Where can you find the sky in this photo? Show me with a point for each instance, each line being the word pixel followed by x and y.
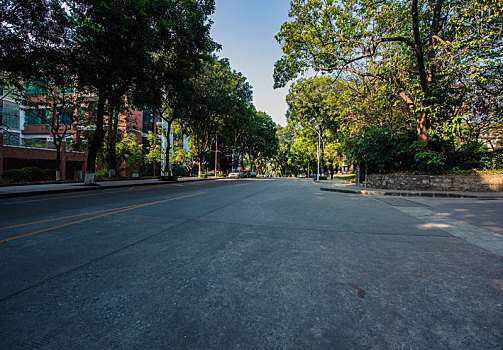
pixel 246 30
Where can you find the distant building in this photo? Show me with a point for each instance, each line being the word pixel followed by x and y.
pixel 26 138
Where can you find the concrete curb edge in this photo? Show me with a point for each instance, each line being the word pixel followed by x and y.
pixel 412 193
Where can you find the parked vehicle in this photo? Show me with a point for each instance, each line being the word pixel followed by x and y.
pixel 249 173
pixel 235 175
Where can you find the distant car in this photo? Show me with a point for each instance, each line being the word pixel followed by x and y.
pixel 302 176
pixel 235 175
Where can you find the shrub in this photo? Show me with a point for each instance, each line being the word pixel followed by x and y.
pixel 101 174
pixel 168 178
pixel 323 177
pixel 382 151
pixel 221 175
pixel 204 176
pixel 50 174
pixel 179 170
pixel 29 174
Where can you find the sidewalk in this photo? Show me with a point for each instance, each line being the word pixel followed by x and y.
pixel 54 188
pixel 343 186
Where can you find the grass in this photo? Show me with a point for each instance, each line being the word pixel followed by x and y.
pixel 345 176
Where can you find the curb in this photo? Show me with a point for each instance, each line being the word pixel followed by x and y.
pixel 83 188
pixel 412 194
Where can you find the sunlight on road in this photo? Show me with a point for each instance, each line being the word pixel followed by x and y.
pixel 431 225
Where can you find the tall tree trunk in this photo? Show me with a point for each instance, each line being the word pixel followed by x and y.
pixel 96 143
pixel 112 144
pixel 167 132
pixel 57 144
pixel 422 118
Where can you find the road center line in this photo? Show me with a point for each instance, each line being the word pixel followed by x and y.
pixel 116 210
pixel 65 217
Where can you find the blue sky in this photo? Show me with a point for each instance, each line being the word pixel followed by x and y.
pixel 246 30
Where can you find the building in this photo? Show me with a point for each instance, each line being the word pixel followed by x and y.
pixel 26 137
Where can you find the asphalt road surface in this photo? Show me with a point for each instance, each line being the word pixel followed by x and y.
pixel 249 264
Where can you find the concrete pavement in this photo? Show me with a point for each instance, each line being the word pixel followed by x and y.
pixel 247 264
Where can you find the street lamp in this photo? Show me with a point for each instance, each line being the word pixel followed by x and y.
pixel 216 154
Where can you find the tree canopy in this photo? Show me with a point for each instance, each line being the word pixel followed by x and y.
pixel 433 67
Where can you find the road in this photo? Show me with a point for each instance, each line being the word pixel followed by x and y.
pixel 252 264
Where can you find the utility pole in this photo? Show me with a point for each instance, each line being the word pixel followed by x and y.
pixel 319 150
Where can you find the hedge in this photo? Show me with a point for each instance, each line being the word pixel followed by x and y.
pixel 29 174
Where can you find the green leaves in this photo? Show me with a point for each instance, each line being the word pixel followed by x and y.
pixel 434 66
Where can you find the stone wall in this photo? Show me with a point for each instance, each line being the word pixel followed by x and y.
pixel 459 183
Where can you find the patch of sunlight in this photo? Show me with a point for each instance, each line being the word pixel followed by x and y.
pixel 431 225
pixel 460 209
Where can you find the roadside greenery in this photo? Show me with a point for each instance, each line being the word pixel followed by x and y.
pixel 117 56
pixel 399 85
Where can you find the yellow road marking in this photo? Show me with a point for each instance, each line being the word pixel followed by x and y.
pixel 116 210
pixel 64 217
pixel 64 197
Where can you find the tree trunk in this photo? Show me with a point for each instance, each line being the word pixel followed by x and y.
pixel 422 119
pixel 167 167
pixel 96 143
pixel 200 163
pixel 112 146
pixel 57 144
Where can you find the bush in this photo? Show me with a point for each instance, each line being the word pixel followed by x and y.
pixel 168 178
pixel 179 170
pixel 101 174
pixel 50 174
pixel 221 175
pixel 204 176
pixel 323 177
pixel 29 174
pixel 493 160
pixel 382 151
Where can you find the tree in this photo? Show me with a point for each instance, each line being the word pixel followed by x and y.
pixel 129 152
pixel 218 94
pixel 57 106
pixel 180 37
pixel 311 104
pixel 33 34
pixel 286 139
pixel 420 49
pixel 112 54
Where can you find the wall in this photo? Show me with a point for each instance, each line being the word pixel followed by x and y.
pixel 16 157
pixel 460 183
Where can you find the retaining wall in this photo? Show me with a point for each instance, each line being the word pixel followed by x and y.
pixel 460 183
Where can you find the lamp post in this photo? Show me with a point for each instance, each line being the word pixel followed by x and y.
pixel 318 154
pixel 216 153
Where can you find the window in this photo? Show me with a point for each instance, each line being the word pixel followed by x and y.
pixel 9 115
pixel 37 88
pixel 35 142
pixel 66 89
pixel 66 118
pixel 37 117
pixel 11 139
